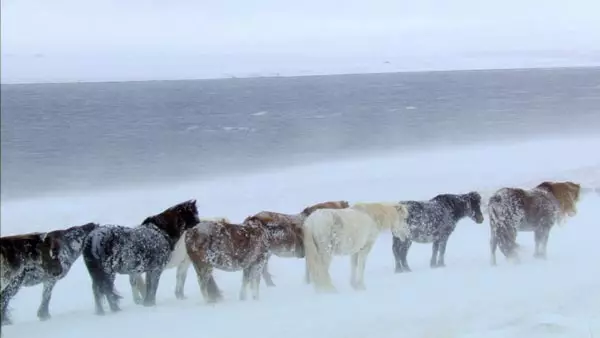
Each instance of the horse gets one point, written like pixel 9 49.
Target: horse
pixel 20 256
pixel 180 259
pixel 72 240
pixel 513 210
pixel 234 247
pixel 295 220
pixel 352 231
pixel 433 221
pixel 114 249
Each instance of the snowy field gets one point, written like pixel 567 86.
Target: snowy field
pixel 469 298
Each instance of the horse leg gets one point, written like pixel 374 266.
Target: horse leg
pixel 538 237
pixel 208 286
pixel 43 311
pixel 353 269
pixel 7 294
pixel 152 280
pixel 545 242
pixel 434 253
pixel 493 247
pixel 182 270
pixel 306 273
pixel 397 246
pixel 404 254
pixel 442 251
pixel 255 276
pixel 138 287
pixel 266 275
pixel 245 281
pixel 111 296
pixel 541 240
pixel 325 282
pixel 362 263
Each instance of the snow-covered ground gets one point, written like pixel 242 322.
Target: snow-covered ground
pixel 469 298
pixel 108 40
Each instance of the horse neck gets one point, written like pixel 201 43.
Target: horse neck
pixel 459 206
pixel 171 238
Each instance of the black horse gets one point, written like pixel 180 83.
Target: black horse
pixel 434 221
pixel 112 249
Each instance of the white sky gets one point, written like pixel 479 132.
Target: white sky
pixel 94 40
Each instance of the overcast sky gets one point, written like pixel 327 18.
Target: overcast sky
pixel 95 40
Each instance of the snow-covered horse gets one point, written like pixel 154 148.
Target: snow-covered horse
pixel 296 220
pixel 234 247
pixel 113 249
pixel 180 259
pixel 352 231
pixel 21 255
pixel 72 242
pixel 433 221
pixel 512 210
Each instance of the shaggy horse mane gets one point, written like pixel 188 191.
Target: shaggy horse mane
pixel 566 193
pixel 326 205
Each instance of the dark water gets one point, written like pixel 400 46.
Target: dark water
pixel 82 136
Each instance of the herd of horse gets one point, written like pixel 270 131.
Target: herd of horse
pixel 178 237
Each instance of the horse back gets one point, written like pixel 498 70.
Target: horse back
pixel 524 209
pixel 227 246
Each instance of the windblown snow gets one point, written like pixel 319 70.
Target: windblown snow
pixel 468 298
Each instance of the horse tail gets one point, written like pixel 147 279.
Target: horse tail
pixel 314 261
pixel 94 252
pixel 501 227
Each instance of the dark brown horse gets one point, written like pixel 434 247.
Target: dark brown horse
pixel 234 247
pixel 512 210
pixel 20 255
pixel 294 220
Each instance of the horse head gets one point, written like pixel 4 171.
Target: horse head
pixel 176 220
pixel 48 247
pixel 474 204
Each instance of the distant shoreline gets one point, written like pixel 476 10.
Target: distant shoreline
pixel 293 76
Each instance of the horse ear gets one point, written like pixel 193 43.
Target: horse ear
pixel 193 202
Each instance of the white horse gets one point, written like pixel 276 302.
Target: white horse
pixel 180 259
pixel 352 231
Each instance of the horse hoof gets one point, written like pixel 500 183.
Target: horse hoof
pixel 100 312
pixel 180 297
pixel 270 284
pixel 43 316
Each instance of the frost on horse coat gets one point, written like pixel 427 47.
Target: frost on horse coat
pixel 295 220
pixel 146 248
pixel 512 210
pixel 180 259
pixel 234 247
pixel 21 255
pixel 351 231
pixel 434 221
pixel 72 243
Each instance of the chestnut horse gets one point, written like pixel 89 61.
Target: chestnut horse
pixel 295 220
pixel 234 247
pixel 512 210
